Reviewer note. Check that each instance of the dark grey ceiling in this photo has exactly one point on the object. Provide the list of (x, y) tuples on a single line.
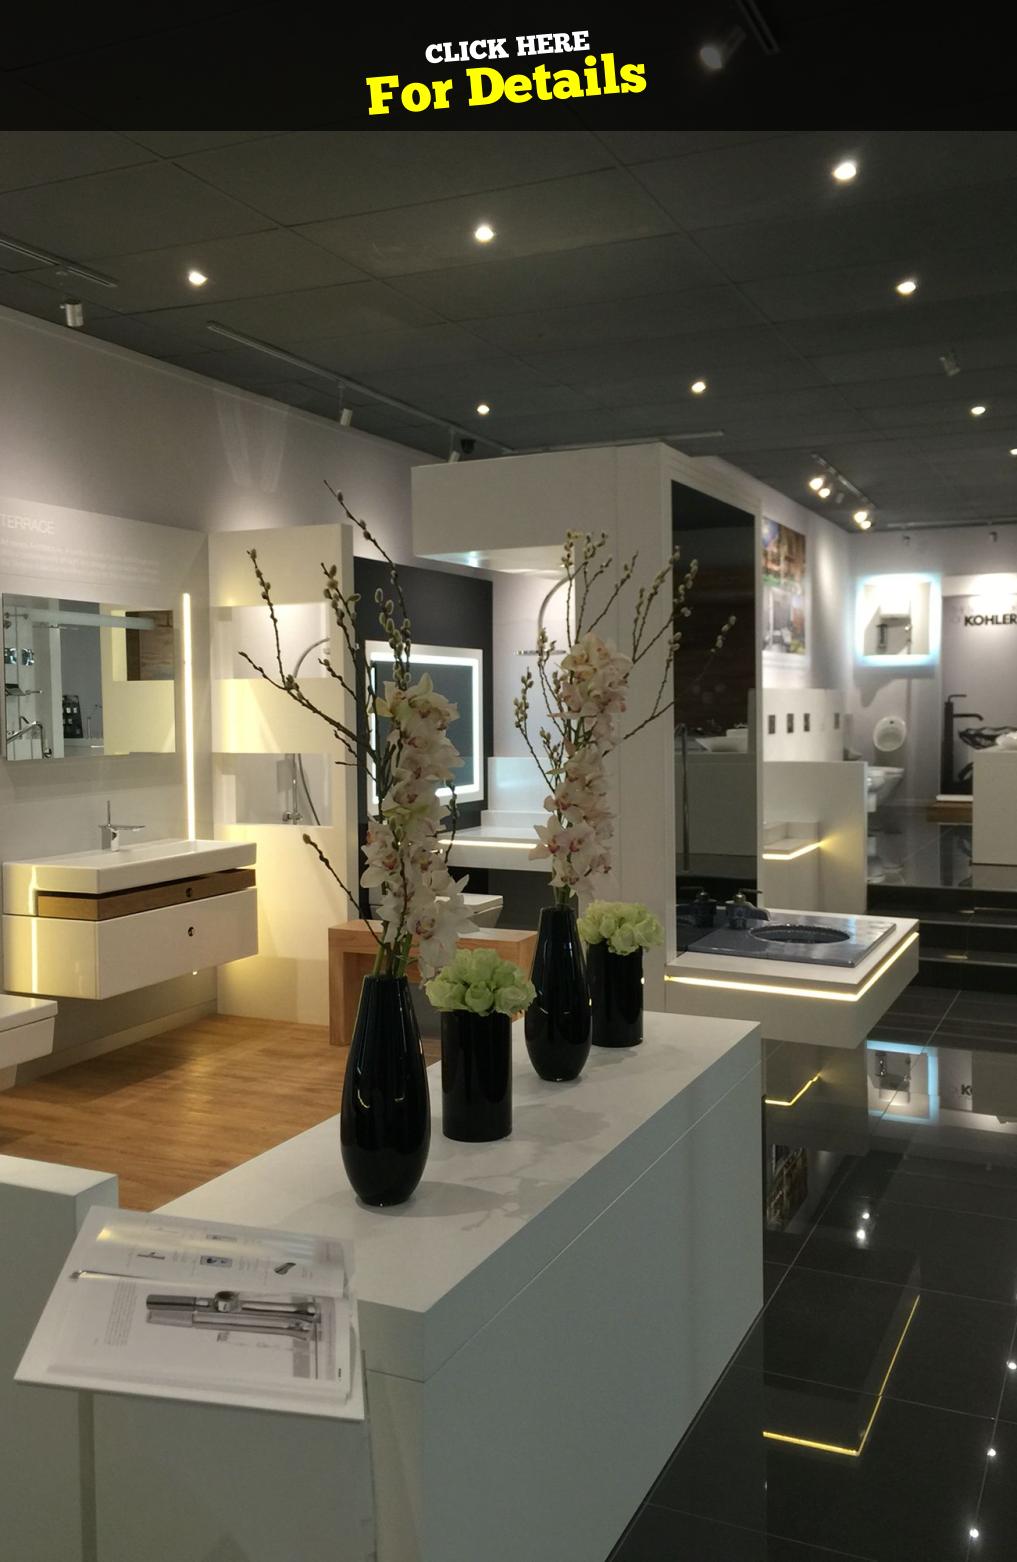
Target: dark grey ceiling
[(626, 265)]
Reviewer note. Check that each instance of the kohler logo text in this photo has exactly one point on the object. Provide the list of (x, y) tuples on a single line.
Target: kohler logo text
[(976, 620)]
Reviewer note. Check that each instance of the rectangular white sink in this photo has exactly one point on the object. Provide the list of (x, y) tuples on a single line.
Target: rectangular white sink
[(131, 867)]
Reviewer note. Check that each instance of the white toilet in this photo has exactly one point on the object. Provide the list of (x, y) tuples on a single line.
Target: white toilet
[(881, 781), (26, 1031), (484, 909)]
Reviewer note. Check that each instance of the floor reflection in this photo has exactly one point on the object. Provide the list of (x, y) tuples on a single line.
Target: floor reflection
[(872, 1411)]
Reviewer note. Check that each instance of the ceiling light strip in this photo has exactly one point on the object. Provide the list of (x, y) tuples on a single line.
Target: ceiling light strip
[(730, 985), (307, 367), (58, 263)]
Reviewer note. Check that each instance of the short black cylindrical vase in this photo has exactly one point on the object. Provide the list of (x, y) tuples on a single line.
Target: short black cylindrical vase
[(476, 1076), (557, 1024), (385, 1121), (616, 995)]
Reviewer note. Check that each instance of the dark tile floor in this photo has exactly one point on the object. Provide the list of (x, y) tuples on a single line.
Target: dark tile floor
[(871, 1413), (911, 849)]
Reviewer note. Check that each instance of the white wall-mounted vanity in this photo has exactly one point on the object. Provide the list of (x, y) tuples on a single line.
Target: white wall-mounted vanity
[(96, 923)]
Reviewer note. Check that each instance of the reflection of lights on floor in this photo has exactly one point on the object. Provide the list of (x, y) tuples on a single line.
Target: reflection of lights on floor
[(836, 1448), (773, 1100)]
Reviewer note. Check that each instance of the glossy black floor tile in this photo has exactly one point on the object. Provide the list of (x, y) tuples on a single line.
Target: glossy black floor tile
[(661, 1535), (996, 1514), (946, 1352), (908, 1491), (924, 1246)]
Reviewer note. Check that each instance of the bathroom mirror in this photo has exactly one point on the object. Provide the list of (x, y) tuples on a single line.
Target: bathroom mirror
[(715, 697), (458, 673), (86, 678)]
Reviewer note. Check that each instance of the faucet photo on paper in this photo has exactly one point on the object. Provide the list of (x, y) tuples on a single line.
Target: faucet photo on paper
[(239, 1316)]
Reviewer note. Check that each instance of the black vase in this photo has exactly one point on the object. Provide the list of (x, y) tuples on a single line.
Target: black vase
[(476, 1076), (616, 995), (557, 1025), (385, 1121)]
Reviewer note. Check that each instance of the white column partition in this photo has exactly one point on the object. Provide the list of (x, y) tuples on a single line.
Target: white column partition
[(46, 1491)]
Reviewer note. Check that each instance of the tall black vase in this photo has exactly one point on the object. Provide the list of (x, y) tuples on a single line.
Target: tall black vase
[(557, 1025), (616, 995), (385, 1121), (476, 1076)]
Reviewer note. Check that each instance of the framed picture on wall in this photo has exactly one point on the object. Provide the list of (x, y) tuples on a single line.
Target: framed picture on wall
[(783, 618)]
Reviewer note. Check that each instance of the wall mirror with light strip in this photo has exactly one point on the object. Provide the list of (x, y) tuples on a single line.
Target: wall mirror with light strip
[(87, 678)]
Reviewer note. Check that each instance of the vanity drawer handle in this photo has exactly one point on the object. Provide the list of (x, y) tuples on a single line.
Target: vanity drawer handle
[(190, 891), (190, 932)]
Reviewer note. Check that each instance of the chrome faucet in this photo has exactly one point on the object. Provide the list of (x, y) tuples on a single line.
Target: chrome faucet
[(109, 833)]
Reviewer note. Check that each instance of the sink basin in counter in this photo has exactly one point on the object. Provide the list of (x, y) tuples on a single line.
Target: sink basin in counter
[(131, 867)]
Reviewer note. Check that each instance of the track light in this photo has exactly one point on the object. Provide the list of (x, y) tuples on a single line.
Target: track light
[(697, 387), (196, 278), (907, 287), (846, 171), (73, 311), (713, 56), (978, 410), (483, 233), (816, 483), (863, 519), (483, 409), (825, 491), (346, 417)]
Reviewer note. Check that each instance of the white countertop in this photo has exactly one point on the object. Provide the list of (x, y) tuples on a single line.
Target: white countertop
[(100, 872), (743, 969), (498, 846), (487, 1218)]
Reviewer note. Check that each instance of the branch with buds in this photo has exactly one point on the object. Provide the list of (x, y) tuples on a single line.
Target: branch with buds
[(586, 693), (406, 859)]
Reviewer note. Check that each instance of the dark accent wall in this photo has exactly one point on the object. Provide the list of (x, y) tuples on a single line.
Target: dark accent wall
[(444, 609)]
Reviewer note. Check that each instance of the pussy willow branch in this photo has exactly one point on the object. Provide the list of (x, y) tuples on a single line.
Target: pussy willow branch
[(322, 858)]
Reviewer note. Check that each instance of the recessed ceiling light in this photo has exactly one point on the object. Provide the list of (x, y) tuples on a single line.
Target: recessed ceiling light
[(863, 520), (713, 56), (907, 287), (990, 1453), (697, 387), (974, 1533), (825, 491), (816, 483), (483, 408), (845, 171), (196, 278), (484, 233), (977, 411), (1011, 1366)]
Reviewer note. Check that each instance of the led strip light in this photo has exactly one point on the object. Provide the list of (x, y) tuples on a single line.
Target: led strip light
[(799, 851), (188, 661), (772, 1101), (836, 1448), (731, 985)]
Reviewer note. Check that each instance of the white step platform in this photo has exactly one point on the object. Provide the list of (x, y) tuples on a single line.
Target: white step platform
[(540, 1324), (791, 1001)]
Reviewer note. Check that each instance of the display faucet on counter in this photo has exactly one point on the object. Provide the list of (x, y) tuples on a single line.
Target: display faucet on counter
[(109, 833)]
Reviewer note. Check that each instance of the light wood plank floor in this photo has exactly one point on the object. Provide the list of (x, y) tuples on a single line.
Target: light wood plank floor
[(171, 1112)]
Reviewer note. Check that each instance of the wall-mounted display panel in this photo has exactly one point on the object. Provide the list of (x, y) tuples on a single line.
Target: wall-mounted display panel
[(87, 678), (897, 620)]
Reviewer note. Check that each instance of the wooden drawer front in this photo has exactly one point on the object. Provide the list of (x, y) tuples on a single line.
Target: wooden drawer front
[(77, 959), (128, 902)]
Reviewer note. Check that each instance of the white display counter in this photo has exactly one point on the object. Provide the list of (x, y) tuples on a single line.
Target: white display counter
[(994, 814), (540, 1324)]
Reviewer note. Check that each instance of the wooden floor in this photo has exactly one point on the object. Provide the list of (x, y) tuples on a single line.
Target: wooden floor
[(169, 1113)]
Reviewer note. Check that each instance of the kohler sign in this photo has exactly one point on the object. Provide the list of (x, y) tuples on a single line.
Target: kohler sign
[(980, 620)]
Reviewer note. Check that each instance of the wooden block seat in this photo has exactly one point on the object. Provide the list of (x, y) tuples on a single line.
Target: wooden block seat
[(351, 952)]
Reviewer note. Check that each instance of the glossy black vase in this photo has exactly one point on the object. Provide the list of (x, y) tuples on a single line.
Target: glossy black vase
[(616, 996), (385, 1121), (476, 1076), (557, 1024)]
